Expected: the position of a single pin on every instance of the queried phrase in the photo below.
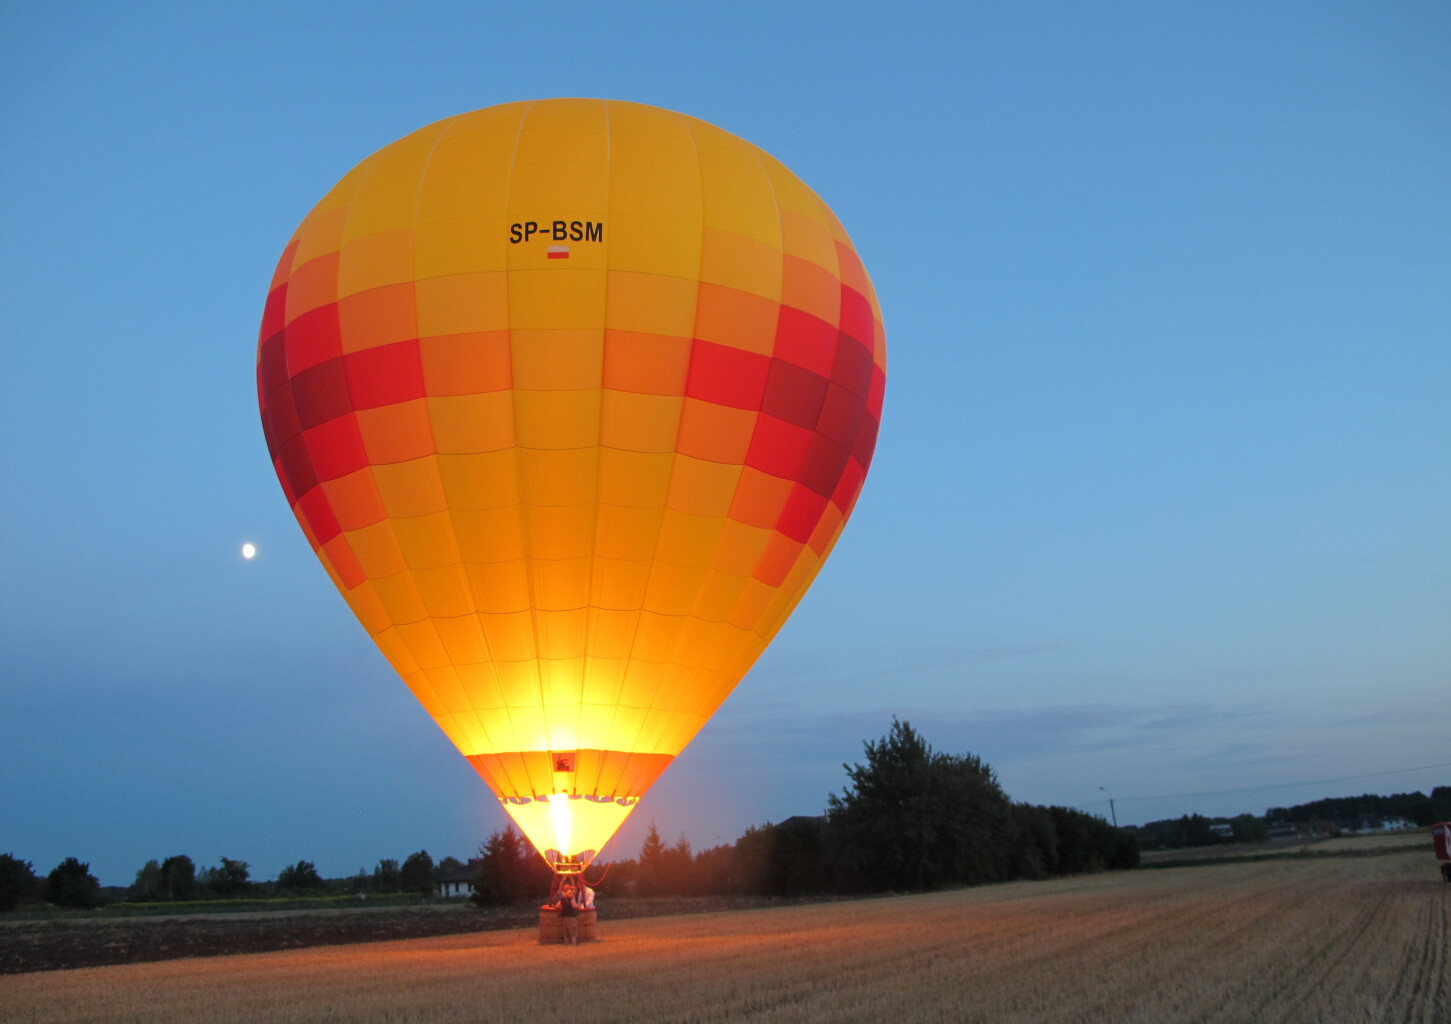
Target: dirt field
(1295, 939)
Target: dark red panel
(297, 466)
(385, 375)
(821, 470)
(321, 393)
(778, 447)
(272, 363)
(802, 512)
(805, 340)
(840, 415)
(876, 392)
(279, 418)
(866, 441)
(336, 448)
(319, 515)
(852, 368)
(282, 479)
(727, 376)
(856, 315)
(313, 338)
(793, 394)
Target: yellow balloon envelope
(572, 399)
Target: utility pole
(1110, 806)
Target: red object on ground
(1441, 836)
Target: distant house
(460, 881)
(1318, 827)
(1222, 830)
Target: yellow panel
(807, 238)
(559, 360)
(499, 586)
(737, 195)
(374, 261)
(740, 548)
(387, 194)
(465, 424)
(564, 477)
(653, 731)
(702, 488)
(518, 681)
(741, 262)
(400, 598)
(562, 724)
(322, 232)
(410, 488)
(426, 541)
(459, 303)
(561, 636)
(558, 531)
(390, 642)
(471, 732)
(610, 631)
(468, 176)
(478, 679)
(673, 588)
(480, 481)
(377, 550)
(422, 640)
(463, 639)
(488, 535)
(529, 728)
(656, 635)
(811, 289)
(510, 637)
(640, 423)
(499, 727)
(651, 245)
(445, 591)
(688, 540)
(634, 479)
(637, 690)
(365, 605)
(718, 596)
(626, 726)
(752, 605)
(627, 533)
(651, 304)
(594, 723)
(602, 679)
(618, 583)
(396, 433)
(558, 298)
(559, 585)
(557, 419)
(432, 703)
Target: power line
(1283, 785)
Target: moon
(249, 550)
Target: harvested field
(1292, 939)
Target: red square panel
(727, 376)
(385, 375)
(778, 447)
(793, 394)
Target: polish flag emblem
(559, 252)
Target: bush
(17, 881)
(71, 884)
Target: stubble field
(1294, 939)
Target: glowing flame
(559, 815)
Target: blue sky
(1160, 502)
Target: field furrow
(1300, 940)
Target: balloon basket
(551, 926)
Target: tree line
(176, 879)
(911, 819)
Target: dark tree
(509, 871)
(301, 876)
(446, 867)
(385, 876)
(916, 819)
(676, 864)
(231, 878)
(147, 886)
(178, 878)
(17, 881)
(71, 884)
(417, 873)
(650, 874)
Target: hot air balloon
(572, 399)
